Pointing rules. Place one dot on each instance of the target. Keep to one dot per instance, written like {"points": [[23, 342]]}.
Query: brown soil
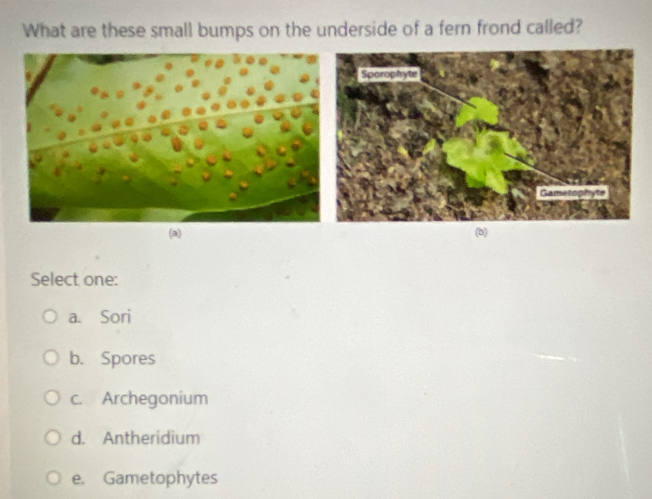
{"points": [[572, 111]]}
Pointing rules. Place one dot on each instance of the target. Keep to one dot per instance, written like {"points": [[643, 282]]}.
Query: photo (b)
{"points": [[163, 137], [484, 136]]}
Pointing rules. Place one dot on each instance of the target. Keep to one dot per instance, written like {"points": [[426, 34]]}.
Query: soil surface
{"points": [[571, 110]]}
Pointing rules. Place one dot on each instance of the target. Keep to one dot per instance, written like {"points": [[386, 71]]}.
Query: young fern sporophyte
{"points": [[485, 159]]}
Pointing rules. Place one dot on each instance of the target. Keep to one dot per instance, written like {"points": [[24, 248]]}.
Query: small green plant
{"points": [[480, 110], [485, 159]]}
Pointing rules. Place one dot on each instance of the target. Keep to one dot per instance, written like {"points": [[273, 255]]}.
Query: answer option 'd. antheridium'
{"points": [[158, 437]]}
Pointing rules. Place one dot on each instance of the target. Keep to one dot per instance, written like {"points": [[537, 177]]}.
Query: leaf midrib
{"points": [[167, 122]]}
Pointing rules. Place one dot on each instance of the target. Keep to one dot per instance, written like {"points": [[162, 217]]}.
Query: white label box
{"points": [[389, 74], [572, 193]]}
